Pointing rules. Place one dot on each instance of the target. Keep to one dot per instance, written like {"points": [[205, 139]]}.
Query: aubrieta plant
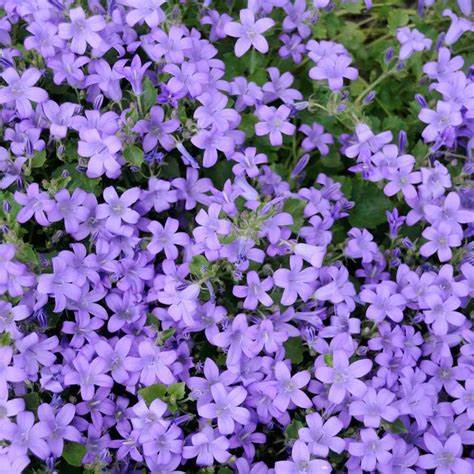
{"points": [[236, 236]]}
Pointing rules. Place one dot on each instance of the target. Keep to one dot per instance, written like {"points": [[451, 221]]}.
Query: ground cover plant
{"points": [[236, 236]]}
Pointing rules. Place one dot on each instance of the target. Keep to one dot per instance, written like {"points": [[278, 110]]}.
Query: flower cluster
{"points": [[253, 265]]}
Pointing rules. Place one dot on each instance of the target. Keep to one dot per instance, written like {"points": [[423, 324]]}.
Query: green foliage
{"points": [[170, 394], [370, 204], [295, 207], [291, 431], [397, 427], [74, 453], [133, 155], [294, 350]]}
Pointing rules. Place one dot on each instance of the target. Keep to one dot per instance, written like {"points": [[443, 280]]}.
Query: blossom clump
{"points": [[236, 237]]}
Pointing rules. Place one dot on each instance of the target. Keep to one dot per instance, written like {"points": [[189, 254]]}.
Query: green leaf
{"points": [[149, 95], [328, 359], [133, 155], [294, 350], [224, 470], [396, 427], [157, 390], [5, 338], [198, 265], [291, 431], [32, 401], [165, 335], [397, 18], [74, 453], [177, 390], [370, 205], [38, 159], [295, 207]]}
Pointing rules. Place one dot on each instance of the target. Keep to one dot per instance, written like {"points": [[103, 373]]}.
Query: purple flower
{"points": [[274, 122], [116, 210], [81, 30], [166, 238], [296, 281], [255, 291], [446, 115], [135, 73], [445, 457], [35, 203], [226, 408], [58, 427], [301, 462], [384, 301], [101, 151], [344, 377], [206, 447], [321, 435], [8, 373], [373, 407], [28, 435], [411, 41], [441, 312], [147, 11], [289, 388], [59, 117], [372, 449], [21, 90], [361, 245], [157, 130], [87, 375], [441, 239], [210, 227], [334, 69], [248, 161], [249, 32], [316, 138]]}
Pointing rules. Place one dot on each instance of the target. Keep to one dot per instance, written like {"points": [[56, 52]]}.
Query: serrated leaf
{"points": [[5, 338], [291, 431], [133, 155], [294, 350], [397, 18], [328, 359], [198, 265], [157, 390], [73, 453], [32, 401], [295, 207], [370, 205], [38, 159], [397, 427], [177, 390], [149, 95]]}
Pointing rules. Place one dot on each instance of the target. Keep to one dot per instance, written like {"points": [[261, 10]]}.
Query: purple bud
{"points": [[98, 102], [388, 55], [369, 97], [400, 65], [440, 40], [421, 100], [29, 147], [418, 318], [406, 242], [341, 108], [300, 166], [5, 63], [65, 174], [402, 141], [420, 8], [57, 4], [6, 206]]}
